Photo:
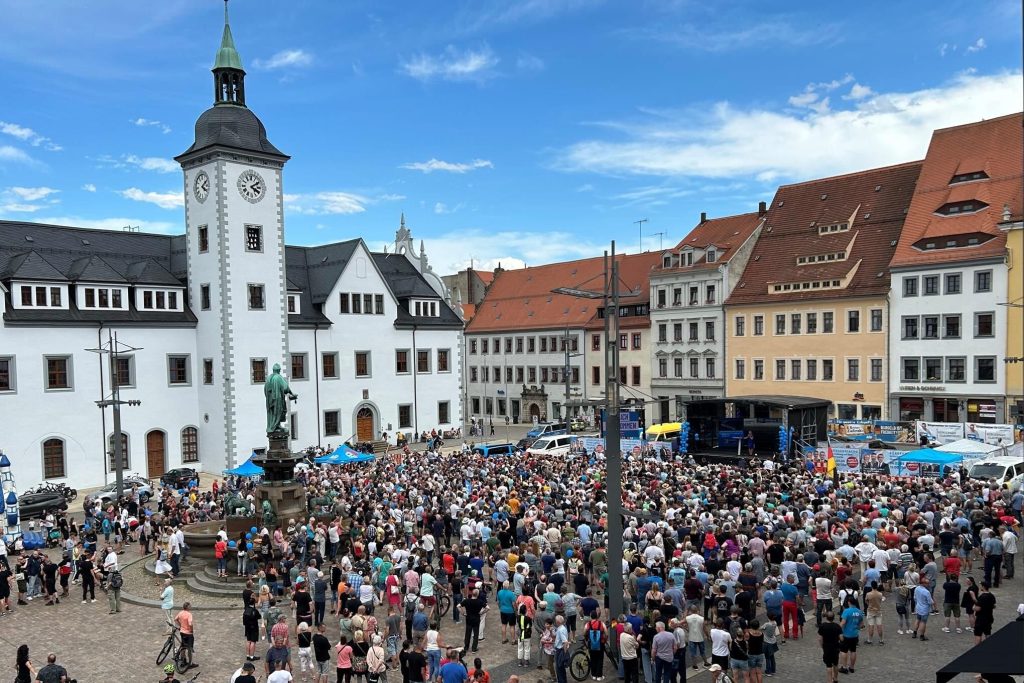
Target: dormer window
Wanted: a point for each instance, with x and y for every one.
(427, 309)
(833, 228)
(93, 297)
(712, 255)
(958, 208)
(968, 177)
(158, 300)
(686, 258)
(293, 304)
(40, 296)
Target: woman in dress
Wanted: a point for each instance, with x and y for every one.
(26, 673)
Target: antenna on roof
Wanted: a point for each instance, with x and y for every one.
(641, 224)
(661, 237)
(131, 228)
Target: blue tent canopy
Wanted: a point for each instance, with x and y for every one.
(929, 457)
(246, 469)
(344, 454)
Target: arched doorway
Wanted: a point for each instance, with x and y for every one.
(364, 424)
(156, 453)
(534, 412)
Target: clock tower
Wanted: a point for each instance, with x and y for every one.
(234, 216)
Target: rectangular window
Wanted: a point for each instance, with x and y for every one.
(953, 283)
(853, 321)
(368, 304)
(575, 375)
(595, 339)
(329, 365)
(444, 412)
(544, 377)
(780, 324)
(256, 300)
(677, 332)
(827, 322)
(404, 416)
(519, 374)
(623, 342)
(204, 297)
(741, 368)
(90, 297)
(709, 296)
(709, 331)
(852, 369)
(475, 403)
(677, 367)
(444, 364)
(160, 301)
(951, 326)
(910, 327)
(931, 285)
(472, 346)
(55, 297)
(207, 371)
(343, 302)
(26, 296)
(531, 375)
(758, 325)
(58, 372)
(362, 363)
(543, 345)
(423, 361)
(910, 369)
(662, 336)
(812, 370)
(253, 238)
(357, 303)
(794, 323)
(955, 369)
(984, 369)
(983, 281)
(812, 323)
(677, 296)
(635, 371)
(508, 345)
(758, 369)
(741, 323)
(508, 374)
(402, 363)
(531, 344)
(473, 373)
(661, 298)
(298, 366)
(378, 304)
(331, 422)
(115, 298)
(147, 300)
(876, 319)
(932, 369)
(177, 369)
(7, 373)
(931, 327)
(826, 369)
(258, 370)
(910, 286)
(983, 325)
(204, 239)
(693, 332)
(122, 371)
(54, 465)
(293, 303)
(876, 369)
(519, 343)
(595, 374)
(693, 296)
(709, 367)
(780, 369)
(795, 366)
(693, 367)
(636, 341)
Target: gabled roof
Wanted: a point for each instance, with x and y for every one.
(149, 272)
(995, 147)
(725, 234)
(486, 276)
(94, 269)
(406, 283)
(321, 267)
(522, 298)
(31, 266)
(872, 203)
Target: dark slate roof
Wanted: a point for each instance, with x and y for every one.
(406, 282)
(321, 267)
(31, 266)
(234, 126)
(94, 269)
(76, 317)
(297, 271)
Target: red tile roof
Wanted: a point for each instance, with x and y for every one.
(521, 299)
(871, 202)
(996, 147)
(726, 234)
(468, 311)
(486, 276)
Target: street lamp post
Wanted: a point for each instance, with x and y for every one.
(115, 402)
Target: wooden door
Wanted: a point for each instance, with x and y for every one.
(534, 412)
(156, 454)
(364, 425)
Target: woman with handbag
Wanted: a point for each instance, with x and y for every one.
(377, 661)
(360, 650)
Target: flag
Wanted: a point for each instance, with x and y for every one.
(831, 467)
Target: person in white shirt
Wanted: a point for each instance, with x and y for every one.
(865, 551)
(720, 642)
(695, 636)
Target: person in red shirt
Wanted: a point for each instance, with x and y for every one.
(220, 551)
(951, 567)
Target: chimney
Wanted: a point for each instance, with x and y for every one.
(762, 208)
(703, 217)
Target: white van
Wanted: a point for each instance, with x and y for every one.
(1005, 469)
(551, 445)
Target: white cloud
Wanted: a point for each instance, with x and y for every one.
(89, 187)
(31, 194)
(390, 197)
(440, 208)
(28, 135)
(114, 223)
(145, 123)
(753, 37)
(158, 164)
(946, 47)
(8, 153)
(500, 12)
(859, 92)
(722, 140)
(320, 203)
(452, 65)
(19, 208)
(447, 166)
(285, 59)
(978, 45)
(165, 200)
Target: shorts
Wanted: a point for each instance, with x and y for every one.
(305, 658)
(923, 618)
(508, 619)
(739, 664)
(830, 657)
(252, 634)
(951, 609)
(982, 628)
(901, 610)
(428, 600)
(721, 660)
(323, 668)
(873, 619)
(756, 662)
(848, 644)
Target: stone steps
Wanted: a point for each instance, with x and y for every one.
(188, 568)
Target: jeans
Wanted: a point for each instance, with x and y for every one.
(769, 657)
(33, 586)
(645, 662)
(993, 564)
(1008, 563)
(695, 648)
(596, 663)
(319, 608)
(433, 662)
(114, 598)
(821, 606)
(561, 665)
(663, 670)
(176, 564)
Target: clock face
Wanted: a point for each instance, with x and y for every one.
(202, 187)
(251, 186)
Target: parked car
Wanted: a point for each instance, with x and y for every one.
(107, 493)
(525, 443)
(577, 424)
(178, 478)
(494, 450)
(36, 504)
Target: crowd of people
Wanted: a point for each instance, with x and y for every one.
(723, 565)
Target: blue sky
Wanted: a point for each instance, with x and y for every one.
(528, 131)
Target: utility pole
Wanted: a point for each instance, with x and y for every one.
(114, 347)
(641, 224)
(613, 444)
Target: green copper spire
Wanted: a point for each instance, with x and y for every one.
(227, 55)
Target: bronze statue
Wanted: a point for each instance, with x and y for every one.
(278, 393)
(269, 518)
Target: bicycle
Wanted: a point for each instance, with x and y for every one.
(579, 661)
(180, 654)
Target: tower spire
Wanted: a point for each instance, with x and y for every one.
(228, 74)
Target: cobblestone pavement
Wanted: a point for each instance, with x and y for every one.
(99, 647)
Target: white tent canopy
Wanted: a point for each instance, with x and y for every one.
(970, 448)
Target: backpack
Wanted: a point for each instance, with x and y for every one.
(116, 580)
(594, 636)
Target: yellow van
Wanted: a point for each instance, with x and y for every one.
(666, 431)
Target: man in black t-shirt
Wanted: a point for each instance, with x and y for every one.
(303, 603)
(245, 674)
(321, 654)
(473, 607)
(829, 635)
(984, 613)
(415, 663)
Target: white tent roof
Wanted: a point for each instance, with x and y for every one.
(970, 447)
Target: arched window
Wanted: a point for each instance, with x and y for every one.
(190, 444)
(111, 463)
(54, 460)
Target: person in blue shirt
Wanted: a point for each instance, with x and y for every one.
(790, 597)
(453, 671)
(923, 605)
(507, 610)
(850, 621)
(773, 603)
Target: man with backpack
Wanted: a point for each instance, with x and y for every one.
(114, 583)
(596, 636)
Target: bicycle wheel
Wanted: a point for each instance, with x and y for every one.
(165, 650)
(444, 603)
(579, 665)
(183, 659)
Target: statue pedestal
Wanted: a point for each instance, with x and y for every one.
(287, 497)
